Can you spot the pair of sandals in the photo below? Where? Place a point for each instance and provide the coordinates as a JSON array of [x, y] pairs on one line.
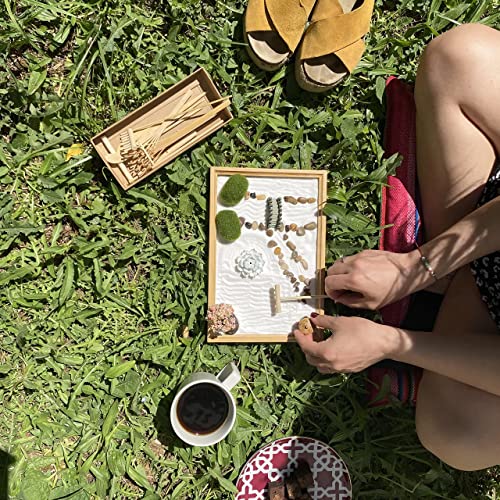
[[328, 50]]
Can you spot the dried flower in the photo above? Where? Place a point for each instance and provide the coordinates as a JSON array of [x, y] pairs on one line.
[[221, 319]]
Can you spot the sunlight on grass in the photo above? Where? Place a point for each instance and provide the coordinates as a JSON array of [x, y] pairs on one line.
[[97, 284]]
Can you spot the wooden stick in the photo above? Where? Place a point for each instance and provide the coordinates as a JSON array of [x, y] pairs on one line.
[[173, 150], [301, 297], [175, 97], [151, 142], [168, 141], [112, 151], [182, 115], [185, 113]]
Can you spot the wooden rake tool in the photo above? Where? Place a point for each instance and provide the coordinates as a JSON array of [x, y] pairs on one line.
[[278, 299]]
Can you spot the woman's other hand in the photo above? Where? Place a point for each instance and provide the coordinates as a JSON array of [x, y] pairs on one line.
[[355, 344], [374, 278]]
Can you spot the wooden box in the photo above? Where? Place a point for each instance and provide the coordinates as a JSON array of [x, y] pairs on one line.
[[252, 298], [211, 112]]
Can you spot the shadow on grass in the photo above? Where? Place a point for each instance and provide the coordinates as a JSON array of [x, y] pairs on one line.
[[6, 461], [379, 445], [166, 434]]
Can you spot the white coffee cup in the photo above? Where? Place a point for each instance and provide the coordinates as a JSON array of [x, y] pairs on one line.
[[228, 377]]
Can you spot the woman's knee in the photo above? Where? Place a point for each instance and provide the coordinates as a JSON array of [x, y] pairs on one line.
[[449, 429], [450, 443], [465, 52]]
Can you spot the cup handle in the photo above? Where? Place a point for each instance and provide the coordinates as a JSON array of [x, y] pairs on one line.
[[229, 376]]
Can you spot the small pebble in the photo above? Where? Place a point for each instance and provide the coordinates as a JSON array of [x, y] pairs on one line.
[[291, 245], [305, 326], [302, 200], [310, 226], [248, 225], [281, 226], [285, 237], [247, 195], [304, 263], [285, 273], [255, 225], [297, 258], [293, 280], [307, 282], [253, 195], [295, 254], [261, 196], [301, 231], [242, 221], [287, 228], [293, 227], [311, 200], [271, 244], [291, 199], [269, 232], [284, 266], [262, 226], [302, 278], [277, 251]]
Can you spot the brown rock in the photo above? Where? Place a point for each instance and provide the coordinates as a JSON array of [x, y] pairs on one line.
[[302, 200], [269, 232], [293, 488], [261, 197], [271, 244], [291, 245], [291, 199], [293, 227], [276, 491], [305, 326], [310, 226], [277, 251], [311, 200], [304, 475], [301, 231]]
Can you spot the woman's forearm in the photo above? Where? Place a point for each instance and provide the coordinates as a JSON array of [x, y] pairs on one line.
[[472, 359], [474, 236]]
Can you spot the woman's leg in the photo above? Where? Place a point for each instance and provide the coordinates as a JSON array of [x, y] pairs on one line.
[[458, 134]]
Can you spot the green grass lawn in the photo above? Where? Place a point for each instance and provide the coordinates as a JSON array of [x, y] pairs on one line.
[[97, 284]]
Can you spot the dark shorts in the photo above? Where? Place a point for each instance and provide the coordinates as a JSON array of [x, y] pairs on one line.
[[486, 270]]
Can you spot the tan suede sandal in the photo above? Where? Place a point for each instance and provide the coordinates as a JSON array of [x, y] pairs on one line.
[[333, 43], [273, 29]]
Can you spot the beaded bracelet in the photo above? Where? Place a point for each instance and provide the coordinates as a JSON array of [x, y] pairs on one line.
[[426, 263]]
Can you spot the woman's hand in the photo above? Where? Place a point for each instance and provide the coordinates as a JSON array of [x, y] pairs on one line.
[[356, 343], [374, 278]]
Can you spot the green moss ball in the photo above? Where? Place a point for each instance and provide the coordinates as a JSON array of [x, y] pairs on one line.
[[233, 190], [228, 225]]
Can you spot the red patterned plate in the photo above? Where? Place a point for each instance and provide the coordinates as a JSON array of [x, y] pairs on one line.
[[277, 460]]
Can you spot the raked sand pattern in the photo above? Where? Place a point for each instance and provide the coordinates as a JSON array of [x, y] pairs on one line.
[[251, 298]]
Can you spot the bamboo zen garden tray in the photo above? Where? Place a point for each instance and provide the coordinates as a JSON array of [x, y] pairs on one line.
[[156, 133], [279, 257]]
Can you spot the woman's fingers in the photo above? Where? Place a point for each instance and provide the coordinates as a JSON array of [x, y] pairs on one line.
[[310, 348], [339, 282], [338, 267]]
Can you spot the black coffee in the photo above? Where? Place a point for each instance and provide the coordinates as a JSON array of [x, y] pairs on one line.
[[202, 409]]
